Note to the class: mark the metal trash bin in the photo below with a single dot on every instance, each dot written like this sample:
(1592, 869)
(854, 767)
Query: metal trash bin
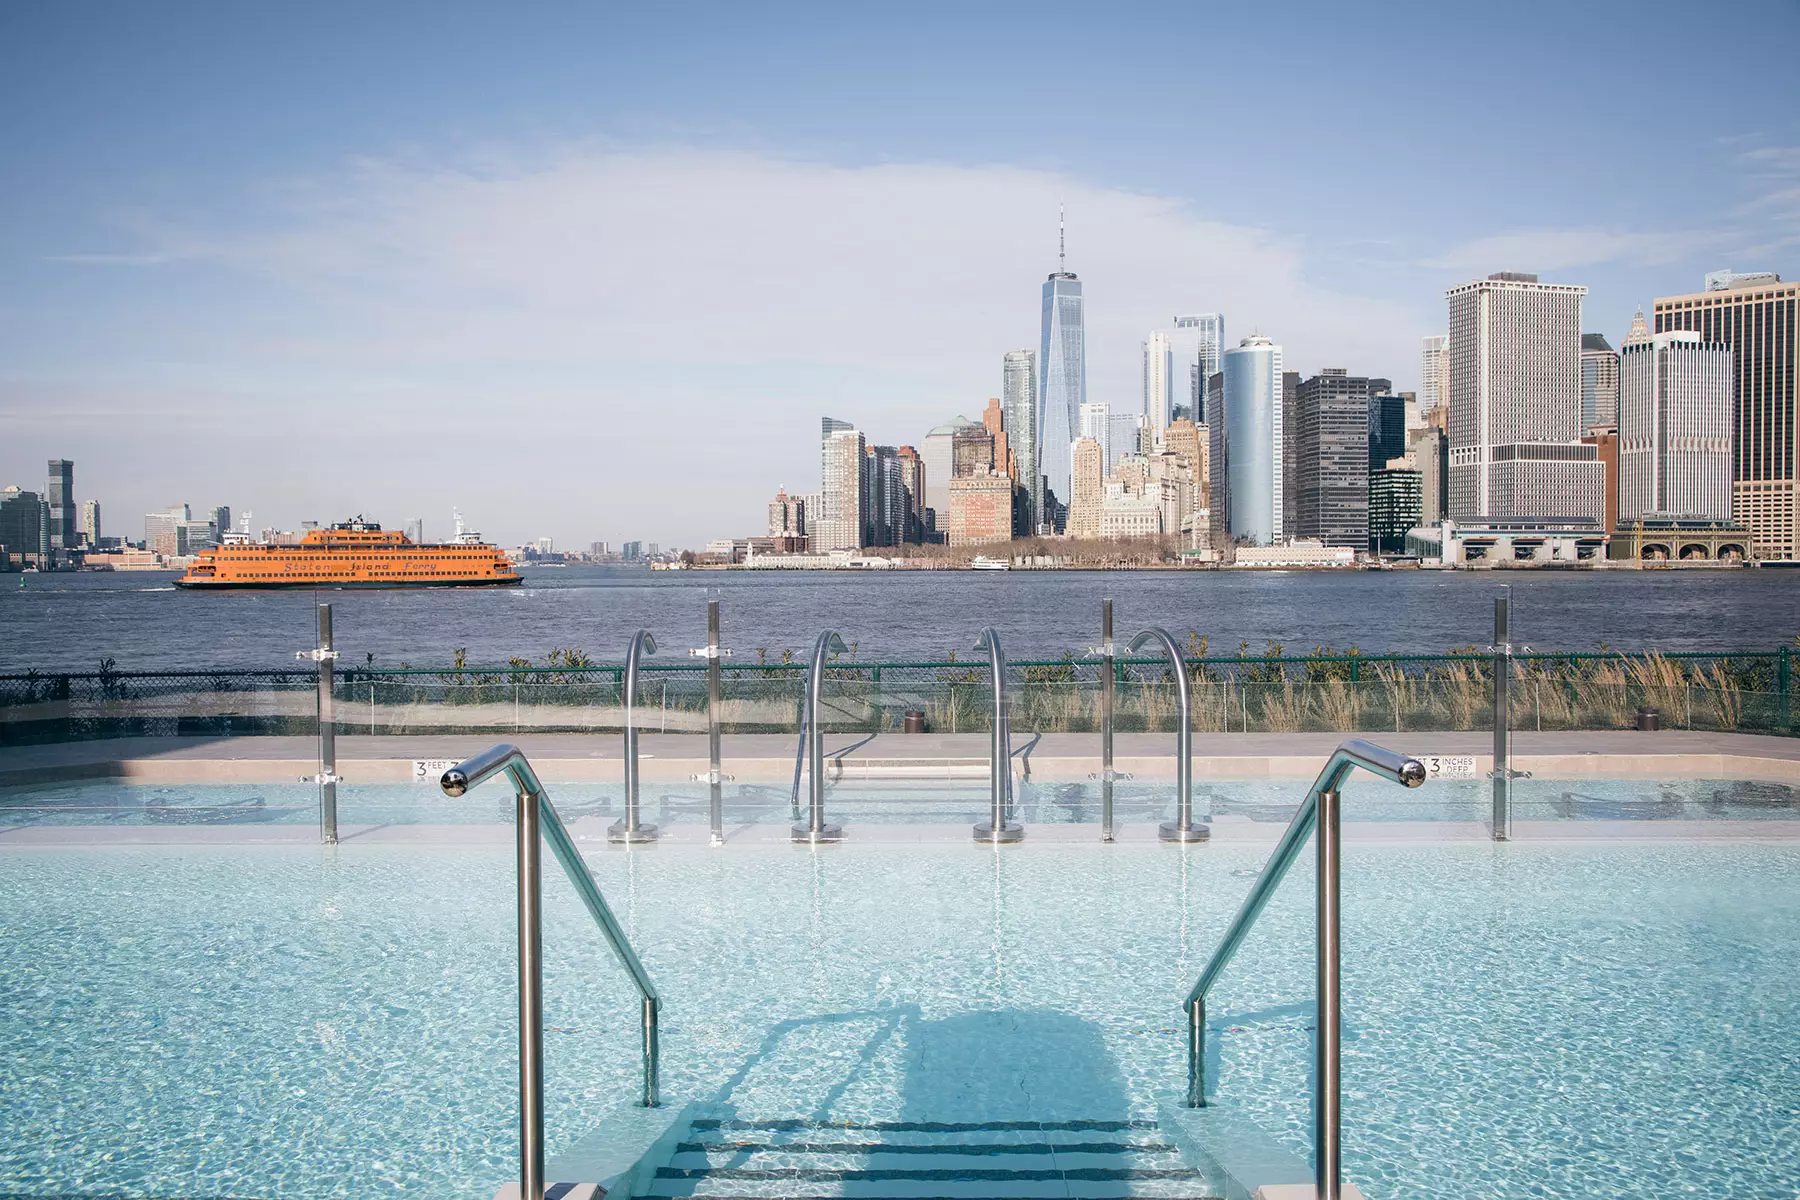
(915, 721)
(1649, 719)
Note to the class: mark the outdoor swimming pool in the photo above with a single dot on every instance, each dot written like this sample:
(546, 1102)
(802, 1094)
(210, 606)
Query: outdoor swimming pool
(1602, 1019)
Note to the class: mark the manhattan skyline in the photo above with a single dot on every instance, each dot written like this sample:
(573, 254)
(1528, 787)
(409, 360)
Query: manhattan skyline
(291, 261)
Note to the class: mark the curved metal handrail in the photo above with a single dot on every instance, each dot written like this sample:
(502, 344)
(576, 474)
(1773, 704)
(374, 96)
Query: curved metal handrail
(1320, 809)
(628, 828)
(1182, 828)
(537, 815)
(812, 738)
(998, 827)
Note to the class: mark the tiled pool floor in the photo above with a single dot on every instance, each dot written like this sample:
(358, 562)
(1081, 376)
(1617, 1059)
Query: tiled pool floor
(1593, 1020)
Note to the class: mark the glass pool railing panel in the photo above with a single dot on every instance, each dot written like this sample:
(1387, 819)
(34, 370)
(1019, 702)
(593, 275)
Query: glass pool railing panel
(115, 704)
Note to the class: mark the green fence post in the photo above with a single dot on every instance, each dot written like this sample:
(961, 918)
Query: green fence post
(875, 699)
(1781, 684)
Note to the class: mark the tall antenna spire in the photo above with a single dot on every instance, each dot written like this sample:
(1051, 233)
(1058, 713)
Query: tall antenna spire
(1062, 245)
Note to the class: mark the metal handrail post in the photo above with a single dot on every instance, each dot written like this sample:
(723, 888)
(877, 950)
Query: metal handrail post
(998, 828)
(815, 829)
(715, 777)
(531, 999)
(1321, 811)
(327, 777)
(537, 818)
(1182, 828)
(628, 828)
(1502, 774)
(1327, 1106)
(1106, 720)
(800, 756)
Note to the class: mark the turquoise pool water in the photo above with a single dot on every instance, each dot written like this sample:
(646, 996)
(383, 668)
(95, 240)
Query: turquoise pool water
(1522, 1020)
(885, 802)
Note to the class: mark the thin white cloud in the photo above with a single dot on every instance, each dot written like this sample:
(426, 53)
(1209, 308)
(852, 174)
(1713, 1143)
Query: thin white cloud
(672, 322)
(110, 260)
(1545, 250)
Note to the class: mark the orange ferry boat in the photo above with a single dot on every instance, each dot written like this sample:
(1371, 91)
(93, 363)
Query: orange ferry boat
(354, 554)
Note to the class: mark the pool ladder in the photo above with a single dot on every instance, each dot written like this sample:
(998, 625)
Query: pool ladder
(1318, 812)
(537, 816)
(999, 827)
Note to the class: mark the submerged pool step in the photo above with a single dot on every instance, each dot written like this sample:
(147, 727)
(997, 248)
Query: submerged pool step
(919, 1160)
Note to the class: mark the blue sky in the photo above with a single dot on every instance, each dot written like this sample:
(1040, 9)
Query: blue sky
(594, 271)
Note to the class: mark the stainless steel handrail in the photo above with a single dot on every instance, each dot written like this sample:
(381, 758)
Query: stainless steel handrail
(1182, 828)
(1108, 671)
(998, 827)
(1501, 826)
(812, 736)
(715, 778)
(537, 816)
(1320, 809)
(799, 758)
(628, 828)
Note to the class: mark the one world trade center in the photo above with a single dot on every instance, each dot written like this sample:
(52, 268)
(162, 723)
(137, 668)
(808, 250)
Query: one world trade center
(1062, 388)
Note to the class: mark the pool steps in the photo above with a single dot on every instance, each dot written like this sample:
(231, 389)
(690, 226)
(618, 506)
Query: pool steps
(1000, 1160)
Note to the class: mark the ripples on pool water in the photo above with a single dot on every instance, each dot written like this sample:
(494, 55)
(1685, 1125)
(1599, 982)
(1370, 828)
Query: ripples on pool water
(1594, 1020)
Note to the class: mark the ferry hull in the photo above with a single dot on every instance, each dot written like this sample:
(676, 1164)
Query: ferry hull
(342, 585)
(354, 554)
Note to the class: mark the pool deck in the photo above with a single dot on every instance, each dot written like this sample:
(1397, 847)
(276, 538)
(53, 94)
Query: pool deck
(769, 758)
(573, 760)
(590, 834)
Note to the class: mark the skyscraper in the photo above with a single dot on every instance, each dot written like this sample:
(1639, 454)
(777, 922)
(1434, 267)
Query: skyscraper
(1332, 443)
(938, 452)
(61, 498)
(1248, 444)
(1515, 403)
(787, 517)
(1187, 441)
(1599, 382)
(1087, 487)
(1207, 331)
(1062, 375)
(1758, 317)
(980, 509)
(1096, 423)
(912, 477)
(884, 509)
(1159, 365)
(1675, 428)
(972, 451)
(1018, 396)
(1434, 373)
(1394, 505)
(1430, 452)
(221, 522)
(993, 419)
(1387, 424)
(23, 527)
(1177, 363)
(90, 524)
(1126, 436)
(843, 489)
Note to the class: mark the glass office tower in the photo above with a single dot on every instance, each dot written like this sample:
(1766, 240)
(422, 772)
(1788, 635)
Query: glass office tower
(1062, 385)
(1247, 485)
